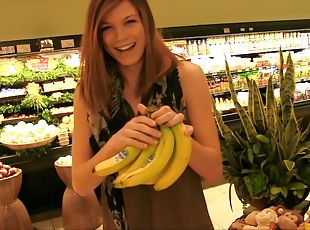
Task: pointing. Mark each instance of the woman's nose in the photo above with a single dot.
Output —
(120, 33)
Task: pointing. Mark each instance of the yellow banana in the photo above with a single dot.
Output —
(178, 161)
(139, 162)
(117, 162)
(161, 158)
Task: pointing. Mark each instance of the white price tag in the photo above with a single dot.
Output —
(226, 30)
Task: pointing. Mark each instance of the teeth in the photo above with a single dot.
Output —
(123, 48)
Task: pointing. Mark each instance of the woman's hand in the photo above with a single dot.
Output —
(165, 115)
(139, 132)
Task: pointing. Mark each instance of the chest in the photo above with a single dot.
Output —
(133, 103)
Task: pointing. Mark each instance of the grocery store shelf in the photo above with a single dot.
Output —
(218, 93)
(14, 120)
(302, 109)
(14, 99)
(31, 164)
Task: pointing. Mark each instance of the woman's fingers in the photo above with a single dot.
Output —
(143, 128)
(160, 112)
(143, 137)
(176, 119)
(144, 120)
(142, 109)
(188, 130)
(165, 115)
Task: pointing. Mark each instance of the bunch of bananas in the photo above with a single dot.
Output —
(159, 165)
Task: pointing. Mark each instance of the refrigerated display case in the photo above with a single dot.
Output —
(252, 50)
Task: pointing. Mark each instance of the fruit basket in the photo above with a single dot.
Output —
(19, 147)
(74, 205)
(13, 213)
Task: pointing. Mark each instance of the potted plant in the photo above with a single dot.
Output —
(268, 159)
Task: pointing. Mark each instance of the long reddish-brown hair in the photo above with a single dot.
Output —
(96, 64)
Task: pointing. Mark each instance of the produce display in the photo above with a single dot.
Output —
(6, 170)
(67, 123)
(27, 133)
(37, 80)
(40, 63)
(61, 110)
(33, 88)
(11, 92)
(159, 165)
(73, 60)
(10, 66)
(37, 68)
(68, 83)
(65, 161)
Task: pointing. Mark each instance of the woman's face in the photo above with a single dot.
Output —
(123, 34)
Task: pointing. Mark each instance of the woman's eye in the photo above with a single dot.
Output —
(130, 21)
(104, 28)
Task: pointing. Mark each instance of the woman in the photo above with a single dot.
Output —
(125, 68)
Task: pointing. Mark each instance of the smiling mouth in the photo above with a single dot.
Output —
(126, 47)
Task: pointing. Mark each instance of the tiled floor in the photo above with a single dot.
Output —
(218, 205)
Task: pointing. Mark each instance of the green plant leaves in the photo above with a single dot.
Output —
(296, 186)
(269, 156)
(289, 164)
(262, 138)
(256, 149)
(26, 75)
(256, 184)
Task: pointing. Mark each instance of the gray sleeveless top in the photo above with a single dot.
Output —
(182, 205)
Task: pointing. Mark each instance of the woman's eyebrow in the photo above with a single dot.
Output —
(129, 16)
(125, 18)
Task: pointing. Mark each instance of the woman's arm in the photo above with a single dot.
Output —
(83, 161)
(206, 157)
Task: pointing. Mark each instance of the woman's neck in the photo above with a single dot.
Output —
(131, 75)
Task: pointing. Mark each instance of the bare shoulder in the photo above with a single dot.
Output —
(79, 103)
(77, 90)
(187, 67)
(78, 100)
(190, 74)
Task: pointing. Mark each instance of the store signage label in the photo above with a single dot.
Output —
(46, 45)
(226, 30)
(67, 43)
(7, 50)
(24, 48)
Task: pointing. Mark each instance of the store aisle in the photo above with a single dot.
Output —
(218, 205)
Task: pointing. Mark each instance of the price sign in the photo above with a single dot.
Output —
(7, 50)
(67, 43)
(25, 48)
